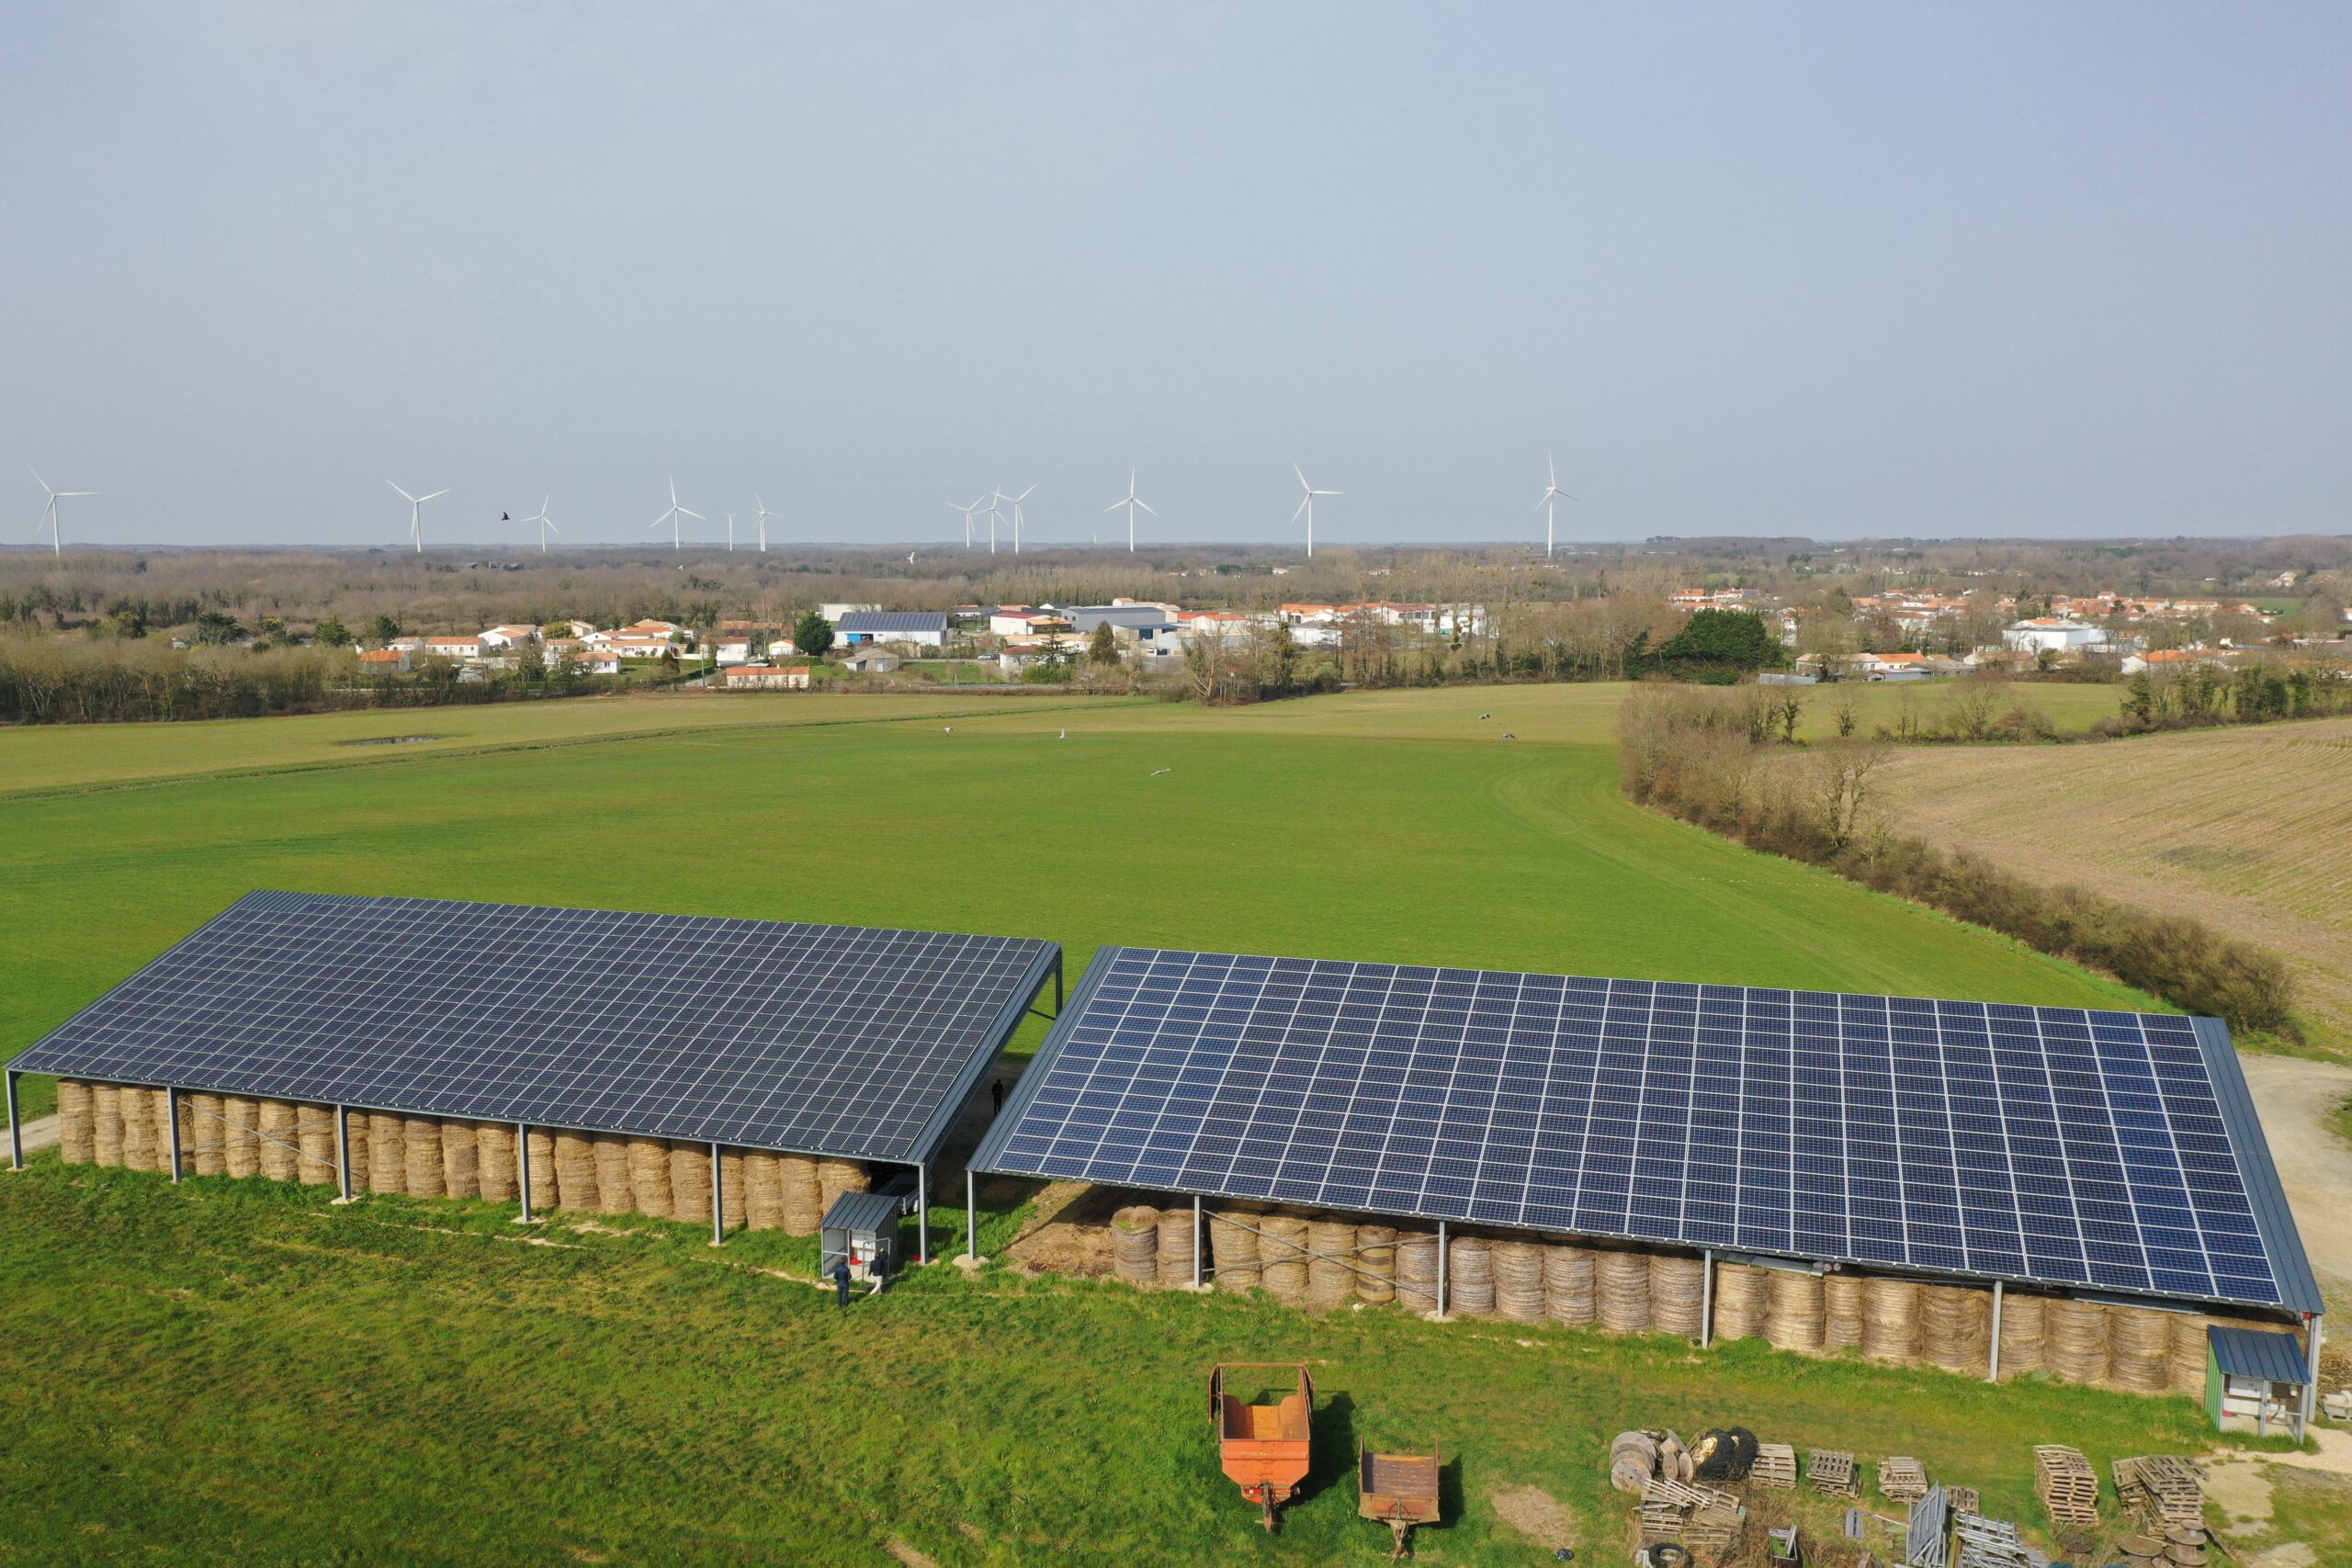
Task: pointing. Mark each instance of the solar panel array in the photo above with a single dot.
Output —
(2087, 1149)
(818, 1039)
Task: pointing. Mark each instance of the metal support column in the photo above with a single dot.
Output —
(922, 1214)
(522, 1170)
(1441, 1268)
(16, 1133)
(717, 1201)
(343, 1152)
(1707, 1298)
(1057, 987)
(1993, 1372)
(971, 1215)
(1196, 1241)
(2311, 1377)
(172, 1118)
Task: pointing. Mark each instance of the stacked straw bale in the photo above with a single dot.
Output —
(539, 1154)
(648, 1177)
(1797, 1314)
(315, 1138)
(1621, 1290)
(76, 1121)
(731, 1194)
(421, 1157)
(2139, 1355)
(2075, 1347)
(1134, 1245)
(1282, 1258)
(460, 1159)
(278, 1155)
(2024, 1320)
(105, 1105)
(1891, 1319)
(689, 1182)
(1173, 1252)
(1956, 1327)
(804, 1197)
(1841, 1311)
(163, 1102)
(1678, 1286)
(387, 1153)
(576, 1185)
(2189, 1348)
(762, 1191)
(615, 1192)
(1743, 1300)
(835, 1176)
(244, 1152)
(1330, 1267)
(355, 1135)
(210, 1117)
(1568, 1283)
(1375, 1264)
(494, 1161)
(1470, 1276)
(138, 1129)
(1417, 1272)
(1518, 1281)
(1233, 1247)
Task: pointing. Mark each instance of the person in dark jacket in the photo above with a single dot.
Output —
(841, 1279)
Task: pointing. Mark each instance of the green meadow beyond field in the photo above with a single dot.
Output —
(239, 1372)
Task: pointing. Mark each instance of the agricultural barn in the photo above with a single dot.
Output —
(1995, 1189)
(717, 1071)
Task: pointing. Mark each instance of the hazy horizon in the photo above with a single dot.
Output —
(1833, 271)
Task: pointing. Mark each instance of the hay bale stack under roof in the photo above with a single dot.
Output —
(2076, 1340)
(105, 1119)
(279, 1157)
(387, 1153)
(1796, 1310)
(689, 1181)
(1891, 1319)
(421, 1143)
(1518, 1280)
(1743, 1300)
(1282, 1258)
(314, 1142)
(762, 1191)
(1841, 1311)
(208, 1151)
(614, 1193)
(1417, 1272)
(804, 1197)
(1956, 1327)
(1677, 1294)
(243, 1146)
(576, 1187)
(1375, 1264)
(648, 1177)
(1330, 1263)
(2139, 1349)
(1470, 1276)
(835, 1176)
(1173, 1246)
(1621, 1290)
(494, 1161)
(354, 1137)
(2024, 1324)
(1233, 1247)
(460, 1159)
(1568, 1283)
(162, 1101)
(537, 1161)
(731, 1193)
(1135, 1244)
(76, 1121)
(138, 1129)
(2189, 1349)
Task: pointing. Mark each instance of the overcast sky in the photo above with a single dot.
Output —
(1974, 268)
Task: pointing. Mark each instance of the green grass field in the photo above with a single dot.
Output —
(238, 1373)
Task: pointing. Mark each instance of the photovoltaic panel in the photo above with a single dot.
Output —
(833, 1040)
(2108, 1151)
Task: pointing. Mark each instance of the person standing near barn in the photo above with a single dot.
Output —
(841, 1280)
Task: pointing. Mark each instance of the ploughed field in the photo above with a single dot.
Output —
(236, 1371)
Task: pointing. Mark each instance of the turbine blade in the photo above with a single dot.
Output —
(1146, 505)
(1116, 505)
(1302, 477)
(695, 515)
(37, 479)
(396, 490)
(434, 496)
(1304, 502)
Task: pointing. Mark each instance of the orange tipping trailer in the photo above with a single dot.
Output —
(1264, 1447)
(1401, 1491)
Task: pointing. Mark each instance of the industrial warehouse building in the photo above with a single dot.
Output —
(721, 1071)
(1997, 1189)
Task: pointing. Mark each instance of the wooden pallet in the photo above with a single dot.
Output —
(1831, 1470)
(1964, 1499)
(2161, 1489)
(1902, 1479)
(2066, 1483)
(1776, 1467)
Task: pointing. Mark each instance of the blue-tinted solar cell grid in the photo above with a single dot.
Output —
(2042, 1143)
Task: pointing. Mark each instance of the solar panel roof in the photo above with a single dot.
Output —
(833, 1040)
(2108, 1151)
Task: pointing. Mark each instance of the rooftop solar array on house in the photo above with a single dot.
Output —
(2106, 1151)
(882, 622)
(831, 1040)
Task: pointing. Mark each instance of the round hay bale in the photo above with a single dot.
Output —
(106, 1110)
(421, 1143)
(274, 1123)
(207, 1147)
(1233, 1247)
(2024, 1320)
(1330, 1263)
(2075, 1340)
(1795, 1310)
(1621, 1290)
(690, 1182)
(314, 1140)
(494, 1161)
(1375, 1264)
(732, 1195)
(575, 1173)
(835, 1176)
(1841, 1311)
(1417, 1272)
(1174, 1262)
(161, 1101)
(1518, 1281)
(804, 1195)
(1282, 1258)
(2189, 1348)
(613, 1195)
(762, 1191)
(2139, 1350)
(1891, 1319)
(1956, 1327)
(243, 1153)
(1134, 1245)
(460, 1159)
(1568, 1283)
(138, 1129)
(538, 1154)
(76, 1121)
(1470, 1276)
(1743, 1300)
(387, 1153)
(1677, 1287)
(355, 1136)
(648, 1177)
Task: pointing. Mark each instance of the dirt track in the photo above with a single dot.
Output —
(2295, 1096)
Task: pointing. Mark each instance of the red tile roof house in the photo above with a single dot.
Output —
(463, 649)
(383, 661)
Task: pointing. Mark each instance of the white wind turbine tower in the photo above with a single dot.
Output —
(48, 513)
(546, 526)
(416, 508)
(730, 532)
(760, 507)
(1307, 505)
(1016, 500)
(967, 512)
(672, 516)
(1130, 500)
(996, 500)
(1553, 494)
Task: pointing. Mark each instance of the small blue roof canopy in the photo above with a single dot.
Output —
(2258, 1353)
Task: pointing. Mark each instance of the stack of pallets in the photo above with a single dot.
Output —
(1832, 1473)
(1964, 1499)
(2066, 1483)
(1988, 1543)
(2161, 1489)
(1928, 1539)
(1776, 1467)
(1700, 1519)
(1902, 1479)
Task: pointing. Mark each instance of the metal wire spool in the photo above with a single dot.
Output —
(461, 1160)
(105, 1115)
(1678, 1285)
(732, 1195)
(244, 1150)
(2189, 1351)
(804, 1198)
(538, 1155)
(494, 1161)
(648, 1177)
(1173, 1253)
(1518, 1281)
(1955, 1327)
(387, 1153)
(613, 1195)
(1743, 1300)
(1891, 1319)
(2024, 1320)
(1470, 1276)
(690, 1182)
(76, 1121)
(1568, 1284)
(421, 1141)
(1375, 1264)
(1621, 1290)
(1134, 1245)
(1841, 1311)
(1417, 1272)
(2077, 1345)
(1633, 1459)
(762, 1191)
(1282, 1258)
(1233, 1247)
(315, 1138)
(2139, 1351)
(138, 1129)
(1795, 1317)
(1330, 1272)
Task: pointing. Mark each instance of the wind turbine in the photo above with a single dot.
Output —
(967, 512)
(415, 509)
(762, 508)
(672, 516)
(1307, 505)
(48, 513)
(1553, 494)
(996, 500)
(730, 532)
(1016, 500)
(1131, 501)
(544, 525)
